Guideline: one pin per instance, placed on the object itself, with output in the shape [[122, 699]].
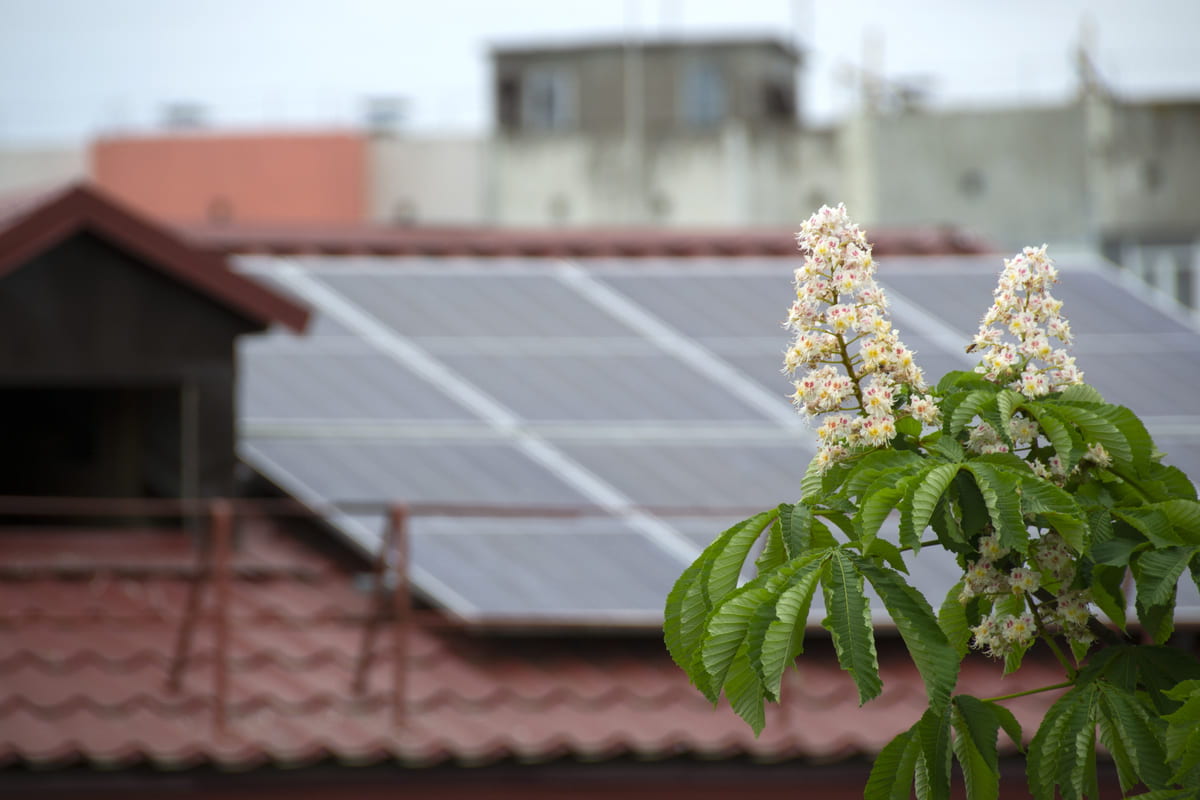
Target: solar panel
[[647, 393]]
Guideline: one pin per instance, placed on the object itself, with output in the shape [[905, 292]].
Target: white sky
[[73, 68]]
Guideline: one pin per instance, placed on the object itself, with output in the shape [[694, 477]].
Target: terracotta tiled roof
[[85, 663], [564, 243]]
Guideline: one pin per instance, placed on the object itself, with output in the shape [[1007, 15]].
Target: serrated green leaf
[[783, 638], [865, 470], [705, 583], [1183, 729], [893, 771], [973, 404], [1094, 428], [884, 552], [1156, 576], [1140, 444], [1081, 393], [975, 747], [1184, 517], [1151, 523], [1007, 402], [1057, 432], [933, 766], [801, 531], [773, 553], [926, 491], [932, 653], [1108, 592], [745, 692], [948, 447], [1133, 737], [1063, 745], [999, 490], [952, 619], [849, 620], [875, 509], [1008, 722]]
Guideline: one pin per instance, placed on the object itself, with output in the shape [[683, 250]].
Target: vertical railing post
[[401, 606], [221, 522]]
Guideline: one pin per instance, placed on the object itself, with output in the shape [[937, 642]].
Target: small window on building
[[1152, 176], [547, 100], [508, 103], [971, 183], [702, 94], [778, 103]]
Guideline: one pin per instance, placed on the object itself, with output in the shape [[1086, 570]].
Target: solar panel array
[[647, 393]]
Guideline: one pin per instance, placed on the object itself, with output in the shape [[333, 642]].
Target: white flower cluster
[[1000, 633], [1024, 307], [856, 366]]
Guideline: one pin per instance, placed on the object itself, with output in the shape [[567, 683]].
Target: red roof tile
[[84, 667], [559, 243]]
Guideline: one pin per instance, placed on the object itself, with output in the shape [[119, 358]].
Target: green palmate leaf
[[1007, 402], [1133, 737], [849, 620], [961, 379], [999, 490], [1173, 482], [1156, 575], [1183, 515], [1151, 523], [952, 619], [1154, 669], [704, 584], [1008, 722], [1095, 428], [745, 692], [925, 493], [876, 472], [893, 771], [1108, 592], [884, 552], [801, 531], [974, 510], [783, 638], [1183, 730], [976, 727], [1081, 393], [974, 403], [949, 448], [727, 628], [932, 653], [1140, 443], [1058, 433], [875, 509], [932, 777], [773, 553], [811, 483], [1062, 752]]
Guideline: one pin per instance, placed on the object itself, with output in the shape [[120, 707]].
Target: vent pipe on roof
[[184, 116]]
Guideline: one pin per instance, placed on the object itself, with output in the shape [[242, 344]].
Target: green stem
[[1051, 688], [846, 361], [926, 543]]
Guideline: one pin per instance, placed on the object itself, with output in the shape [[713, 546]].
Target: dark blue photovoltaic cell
[[596, 388], [653, 429], [475, 304], [287, 383], [452, 472]]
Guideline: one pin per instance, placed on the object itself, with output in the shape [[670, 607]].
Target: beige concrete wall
[[1013, 176], [427, 180]]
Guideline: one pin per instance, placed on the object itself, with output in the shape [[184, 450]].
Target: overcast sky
[[72, 68]]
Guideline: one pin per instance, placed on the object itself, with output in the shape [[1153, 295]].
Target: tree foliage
[[1048, 497]]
